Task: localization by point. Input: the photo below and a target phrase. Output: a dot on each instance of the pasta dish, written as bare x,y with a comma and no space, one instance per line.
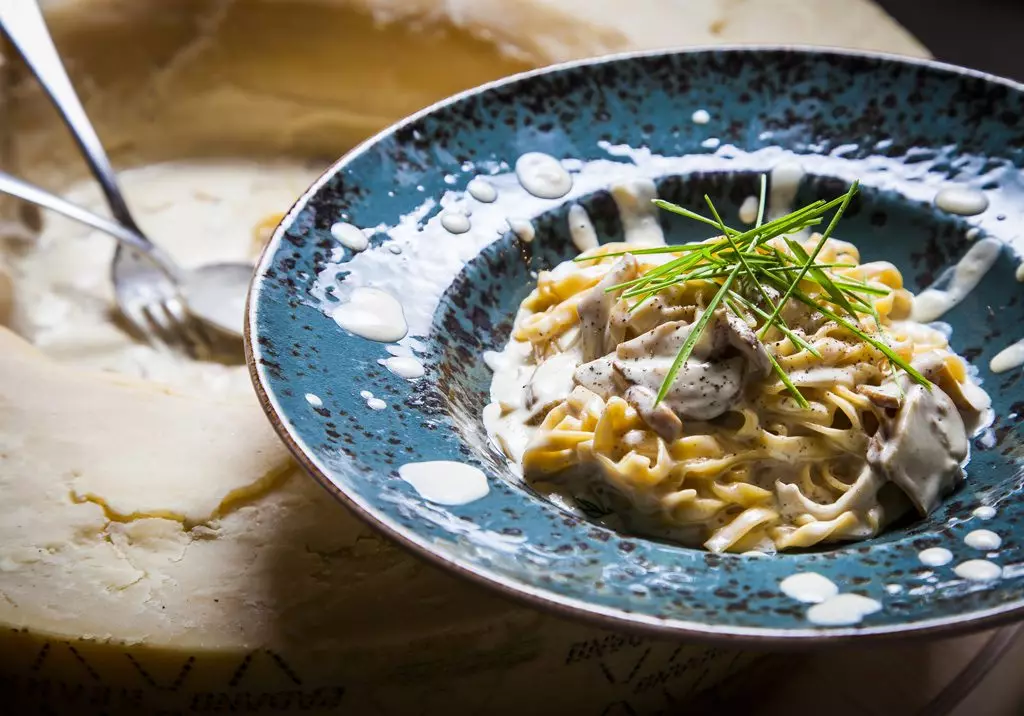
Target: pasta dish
760,390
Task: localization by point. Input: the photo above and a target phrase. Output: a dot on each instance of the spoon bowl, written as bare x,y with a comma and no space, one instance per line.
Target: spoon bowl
214,294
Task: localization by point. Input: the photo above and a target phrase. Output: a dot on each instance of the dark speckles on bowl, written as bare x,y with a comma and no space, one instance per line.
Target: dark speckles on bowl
857,112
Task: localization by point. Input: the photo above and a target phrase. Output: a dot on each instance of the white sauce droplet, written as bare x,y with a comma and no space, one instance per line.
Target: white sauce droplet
808,587
983,539
365,394
935,556
748,210
637,213
959,280
842,610
893,588
581,229
961,200
783,182
978,570
482,190
372,314
701,116
445,482
314,400
1009,358
942,327
523,229
494,360
351,237
404,366
455,221
985,512
543,176
711,143
987,438
376,404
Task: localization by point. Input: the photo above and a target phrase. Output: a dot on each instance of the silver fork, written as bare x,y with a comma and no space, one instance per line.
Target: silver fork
148,295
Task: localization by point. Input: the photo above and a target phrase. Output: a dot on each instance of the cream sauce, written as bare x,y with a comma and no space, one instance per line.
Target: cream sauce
584,237
957,281
517,388
455,221
445,482
314,400
494,360
961,200
404,366
978,570
711,143
639,216
351,237
1009,358
748,210
842,610
482,190
783,185
376,404
935,556
808,587
543,176
985,512
523,229
372,314
701,116
986,540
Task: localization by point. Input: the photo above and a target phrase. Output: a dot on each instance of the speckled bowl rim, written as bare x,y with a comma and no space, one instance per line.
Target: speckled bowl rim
552,602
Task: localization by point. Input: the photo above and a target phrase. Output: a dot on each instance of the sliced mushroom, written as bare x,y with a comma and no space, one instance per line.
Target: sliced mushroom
741,337
705,386
921,449
658,416
967,397
886,395
595,309
600,377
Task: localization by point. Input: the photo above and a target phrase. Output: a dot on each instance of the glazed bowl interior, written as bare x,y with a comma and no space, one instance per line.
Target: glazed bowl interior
903,129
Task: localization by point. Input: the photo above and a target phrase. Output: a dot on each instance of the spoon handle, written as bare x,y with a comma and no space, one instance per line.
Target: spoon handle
128,237
23,23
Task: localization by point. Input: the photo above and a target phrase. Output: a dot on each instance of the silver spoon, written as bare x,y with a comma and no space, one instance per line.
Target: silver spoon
215,293
146,293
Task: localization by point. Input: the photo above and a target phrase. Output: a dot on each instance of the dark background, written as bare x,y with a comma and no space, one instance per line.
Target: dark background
984,35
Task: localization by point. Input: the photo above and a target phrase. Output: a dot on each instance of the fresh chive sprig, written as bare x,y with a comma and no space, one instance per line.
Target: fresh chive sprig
721,260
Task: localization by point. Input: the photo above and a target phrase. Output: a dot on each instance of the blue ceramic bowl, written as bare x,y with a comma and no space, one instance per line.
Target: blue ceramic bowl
904,128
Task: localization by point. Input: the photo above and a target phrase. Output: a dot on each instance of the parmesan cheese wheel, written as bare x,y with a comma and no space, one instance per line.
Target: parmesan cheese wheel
6,296
159,552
